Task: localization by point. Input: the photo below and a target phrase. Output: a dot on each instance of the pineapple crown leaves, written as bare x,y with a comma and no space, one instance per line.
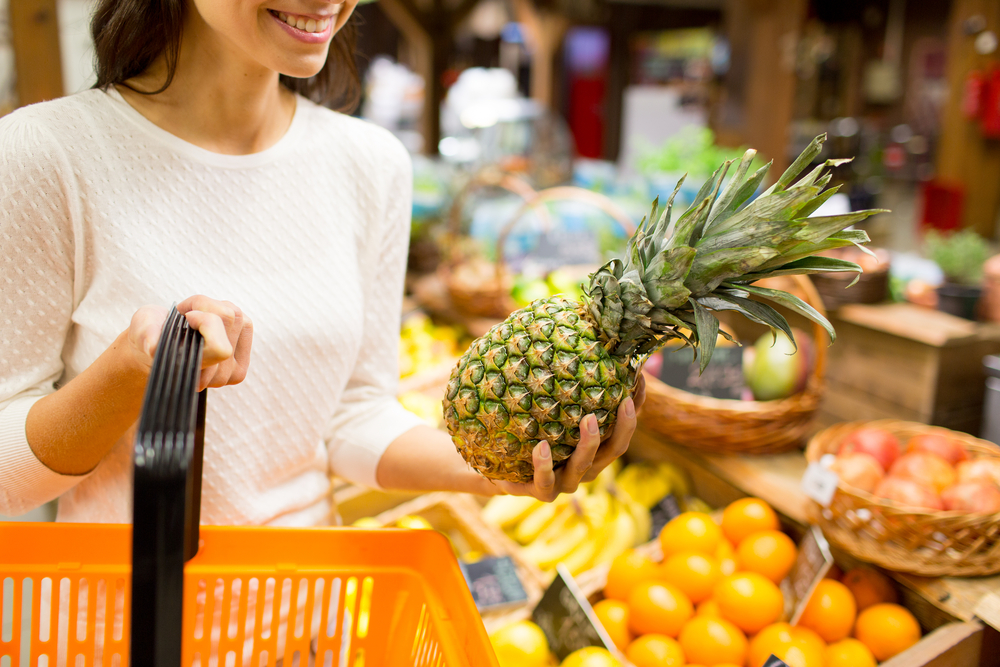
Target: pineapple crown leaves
675,273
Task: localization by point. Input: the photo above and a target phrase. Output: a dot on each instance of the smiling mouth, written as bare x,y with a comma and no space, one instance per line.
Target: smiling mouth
306,23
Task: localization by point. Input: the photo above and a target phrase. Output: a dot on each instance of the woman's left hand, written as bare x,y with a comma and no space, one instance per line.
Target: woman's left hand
587,461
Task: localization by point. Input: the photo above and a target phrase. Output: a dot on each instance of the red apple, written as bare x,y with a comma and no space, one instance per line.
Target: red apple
908,493
979,470
881,444
654,364
927,469
972,498
947,448
859,470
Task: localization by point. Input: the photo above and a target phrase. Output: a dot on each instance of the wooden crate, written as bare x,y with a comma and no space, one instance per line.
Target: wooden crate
900,361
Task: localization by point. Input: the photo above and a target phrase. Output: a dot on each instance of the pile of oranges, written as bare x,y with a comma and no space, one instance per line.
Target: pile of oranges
714,601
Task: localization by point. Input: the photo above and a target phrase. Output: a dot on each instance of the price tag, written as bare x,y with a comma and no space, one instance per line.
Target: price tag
774,662
820,483
663,512
567,619
811,565
722,379
494,583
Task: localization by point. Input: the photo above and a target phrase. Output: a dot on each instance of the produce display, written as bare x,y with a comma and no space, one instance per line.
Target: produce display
592,526
714,599
535,375
932,472
424,345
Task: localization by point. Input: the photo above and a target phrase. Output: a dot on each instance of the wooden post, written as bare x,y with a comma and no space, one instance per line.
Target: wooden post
964,156
35,36
544,31
757,103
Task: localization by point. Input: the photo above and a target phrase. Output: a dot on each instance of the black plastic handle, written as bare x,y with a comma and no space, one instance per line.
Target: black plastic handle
166,494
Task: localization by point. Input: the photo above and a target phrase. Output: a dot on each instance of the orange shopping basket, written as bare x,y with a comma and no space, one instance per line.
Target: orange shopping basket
164,593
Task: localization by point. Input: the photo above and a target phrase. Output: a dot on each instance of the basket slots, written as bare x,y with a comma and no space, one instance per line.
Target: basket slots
253,598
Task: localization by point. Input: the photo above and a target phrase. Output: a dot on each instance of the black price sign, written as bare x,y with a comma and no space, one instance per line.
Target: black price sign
567,619
722,379
775,662
663,512
811,565
494,583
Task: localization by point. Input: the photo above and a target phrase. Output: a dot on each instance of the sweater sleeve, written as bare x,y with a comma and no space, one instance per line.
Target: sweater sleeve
369,417
36,299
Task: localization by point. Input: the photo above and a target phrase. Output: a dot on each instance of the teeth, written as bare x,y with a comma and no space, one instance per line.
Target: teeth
305,24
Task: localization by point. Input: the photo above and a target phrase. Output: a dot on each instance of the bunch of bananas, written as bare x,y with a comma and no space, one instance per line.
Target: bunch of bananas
592,526
424,345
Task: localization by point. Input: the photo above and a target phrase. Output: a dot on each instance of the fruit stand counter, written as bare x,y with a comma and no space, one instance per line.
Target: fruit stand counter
776,479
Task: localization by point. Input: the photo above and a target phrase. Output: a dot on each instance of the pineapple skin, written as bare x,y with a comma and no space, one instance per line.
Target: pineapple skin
533,377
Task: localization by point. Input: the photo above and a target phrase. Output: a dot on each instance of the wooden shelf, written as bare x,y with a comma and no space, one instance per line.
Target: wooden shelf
775,479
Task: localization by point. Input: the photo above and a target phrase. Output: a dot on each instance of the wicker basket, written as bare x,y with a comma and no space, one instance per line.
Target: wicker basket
479,290
722,426
872,287
926,543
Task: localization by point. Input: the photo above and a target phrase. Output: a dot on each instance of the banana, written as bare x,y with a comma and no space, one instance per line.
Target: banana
643,521
538,519
619,536
547,553
508,511
582,557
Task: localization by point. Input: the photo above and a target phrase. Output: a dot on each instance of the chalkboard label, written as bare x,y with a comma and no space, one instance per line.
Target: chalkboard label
774,662
567,619
494,583
811,565
663,512
722,379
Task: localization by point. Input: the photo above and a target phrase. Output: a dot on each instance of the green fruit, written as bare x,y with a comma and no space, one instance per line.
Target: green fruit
772,370
527,291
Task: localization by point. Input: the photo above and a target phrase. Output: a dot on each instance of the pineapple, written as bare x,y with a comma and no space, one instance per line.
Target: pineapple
535,375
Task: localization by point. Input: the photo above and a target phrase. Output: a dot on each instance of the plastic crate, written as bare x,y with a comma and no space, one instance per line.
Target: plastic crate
330,597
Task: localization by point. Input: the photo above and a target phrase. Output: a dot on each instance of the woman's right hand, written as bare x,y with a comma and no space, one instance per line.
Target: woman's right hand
228,335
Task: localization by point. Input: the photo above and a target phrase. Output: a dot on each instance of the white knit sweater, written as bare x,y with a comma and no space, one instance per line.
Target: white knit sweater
102,212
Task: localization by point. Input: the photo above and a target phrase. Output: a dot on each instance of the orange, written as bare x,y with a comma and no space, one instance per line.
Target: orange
658,607
869,586
809,637
849,653
655,651
613,615
769,552
800,654
690,531
726,555
627,570
830,611
746,516
695,574
766,642
887,629
713,641
749,600
708,608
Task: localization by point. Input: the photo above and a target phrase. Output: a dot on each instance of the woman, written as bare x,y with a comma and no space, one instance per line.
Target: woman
197,166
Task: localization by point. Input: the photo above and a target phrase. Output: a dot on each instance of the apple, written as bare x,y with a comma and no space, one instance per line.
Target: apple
929,470
908,493
972,498
773,369
654,364
947,448
859,470
979,470
881,444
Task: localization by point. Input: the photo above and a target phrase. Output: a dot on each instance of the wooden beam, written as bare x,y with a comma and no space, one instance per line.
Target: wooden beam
412,23
461,13
964,155
35,35
544,32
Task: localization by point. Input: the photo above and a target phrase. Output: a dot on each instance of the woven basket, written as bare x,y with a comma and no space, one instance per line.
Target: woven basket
726,426
872,287
927,543
472,292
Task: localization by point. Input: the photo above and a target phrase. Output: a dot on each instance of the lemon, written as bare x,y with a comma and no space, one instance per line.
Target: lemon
591,656
414,522
366,522
521,644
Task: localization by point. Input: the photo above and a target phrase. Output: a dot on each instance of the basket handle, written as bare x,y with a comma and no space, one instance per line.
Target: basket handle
166,492
486,178
559,193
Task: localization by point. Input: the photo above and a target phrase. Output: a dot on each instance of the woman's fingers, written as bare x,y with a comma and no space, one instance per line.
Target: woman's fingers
618,442
144,331
582,459
544,478
639,397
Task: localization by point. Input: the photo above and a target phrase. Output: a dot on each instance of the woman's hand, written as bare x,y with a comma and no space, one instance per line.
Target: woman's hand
587,461
228,335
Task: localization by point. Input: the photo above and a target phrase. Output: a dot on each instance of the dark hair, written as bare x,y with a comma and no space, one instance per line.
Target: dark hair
130,34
